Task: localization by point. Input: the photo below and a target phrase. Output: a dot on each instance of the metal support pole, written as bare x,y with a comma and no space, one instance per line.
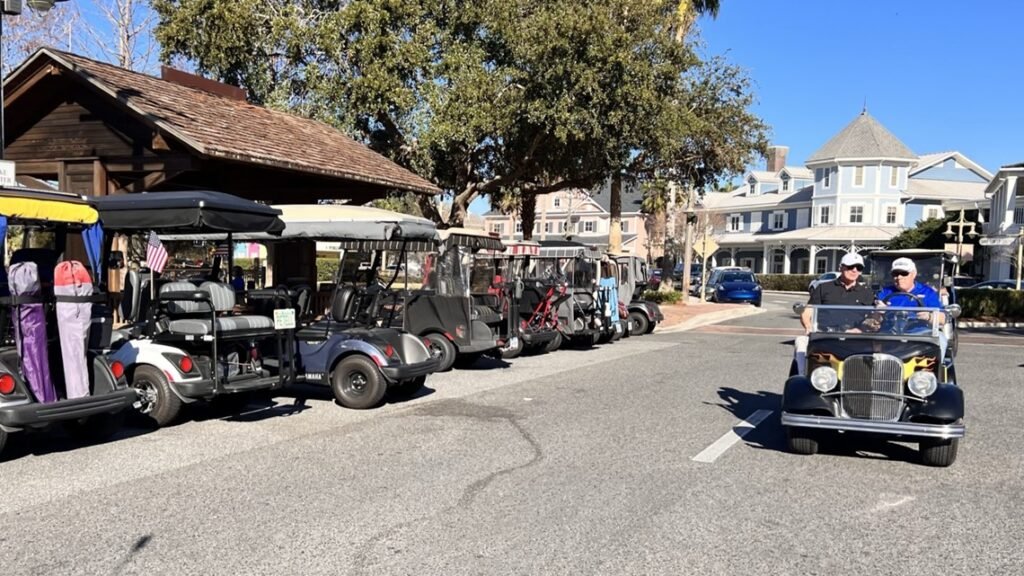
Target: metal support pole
3,126
1020,252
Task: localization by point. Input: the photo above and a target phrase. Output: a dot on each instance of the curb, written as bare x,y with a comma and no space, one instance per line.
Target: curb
805,293
969,324
712,318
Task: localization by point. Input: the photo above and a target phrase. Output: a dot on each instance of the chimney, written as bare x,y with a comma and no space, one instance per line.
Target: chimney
199,83
777,158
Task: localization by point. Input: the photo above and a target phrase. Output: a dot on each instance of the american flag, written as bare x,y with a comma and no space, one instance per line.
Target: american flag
156,254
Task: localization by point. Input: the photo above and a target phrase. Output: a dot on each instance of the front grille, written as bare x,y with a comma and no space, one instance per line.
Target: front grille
872,387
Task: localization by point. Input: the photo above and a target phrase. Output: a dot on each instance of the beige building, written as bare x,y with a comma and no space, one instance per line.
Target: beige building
583,217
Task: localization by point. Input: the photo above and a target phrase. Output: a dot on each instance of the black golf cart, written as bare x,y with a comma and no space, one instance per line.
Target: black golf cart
644,315
188,339
575,264
51,306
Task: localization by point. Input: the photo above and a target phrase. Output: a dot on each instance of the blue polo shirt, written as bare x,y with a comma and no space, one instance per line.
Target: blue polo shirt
928,296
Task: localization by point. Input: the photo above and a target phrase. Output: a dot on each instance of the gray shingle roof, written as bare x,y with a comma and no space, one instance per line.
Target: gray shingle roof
863,138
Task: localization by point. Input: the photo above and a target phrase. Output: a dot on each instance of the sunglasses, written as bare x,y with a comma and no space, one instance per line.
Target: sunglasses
898,273
856,267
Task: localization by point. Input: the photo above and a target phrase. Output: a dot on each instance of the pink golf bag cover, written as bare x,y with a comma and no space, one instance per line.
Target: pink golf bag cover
74,317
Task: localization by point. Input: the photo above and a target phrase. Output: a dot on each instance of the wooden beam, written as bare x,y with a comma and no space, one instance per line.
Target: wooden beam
174,163
99,178
63,183
38,167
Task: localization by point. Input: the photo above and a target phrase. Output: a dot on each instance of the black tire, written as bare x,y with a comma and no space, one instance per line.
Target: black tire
510,353
467,360
4,437
160,404
605,337
799,441
651,327
443,347
96,428
357,383
618,334
640,322
408,388
554,344
939,453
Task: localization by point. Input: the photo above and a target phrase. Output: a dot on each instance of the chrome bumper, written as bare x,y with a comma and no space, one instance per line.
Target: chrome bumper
944,431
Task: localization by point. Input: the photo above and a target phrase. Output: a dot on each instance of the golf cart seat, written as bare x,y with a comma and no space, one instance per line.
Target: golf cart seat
485,314
192,317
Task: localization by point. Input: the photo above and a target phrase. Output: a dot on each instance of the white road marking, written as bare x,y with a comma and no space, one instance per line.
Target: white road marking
741,429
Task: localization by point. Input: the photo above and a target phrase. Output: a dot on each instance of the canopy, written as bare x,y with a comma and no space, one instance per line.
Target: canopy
186,212
567,249
470,238
25,204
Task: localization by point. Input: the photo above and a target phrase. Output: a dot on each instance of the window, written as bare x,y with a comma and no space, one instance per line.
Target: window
825,216
561,227
821,265
547,227
828,177
894,176
588,226
498,228
785,184
519,227
735,223
778,220
856,214
890,215
557,202
1018,215
536,227
932,213
753,187
624,225
858,176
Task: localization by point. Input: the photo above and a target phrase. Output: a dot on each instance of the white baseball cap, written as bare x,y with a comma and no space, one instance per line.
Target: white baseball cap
904,265
852,259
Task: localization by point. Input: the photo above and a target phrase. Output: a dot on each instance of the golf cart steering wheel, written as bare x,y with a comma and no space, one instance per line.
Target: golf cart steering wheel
918,301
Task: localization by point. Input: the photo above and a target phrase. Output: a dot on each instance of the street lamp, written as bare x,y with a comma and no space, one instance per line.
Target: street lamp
13,8
960,224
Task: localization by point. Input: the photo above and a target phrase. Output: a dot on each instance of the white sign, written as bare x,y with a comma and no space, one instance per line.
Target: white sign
7,173
998,241
284,319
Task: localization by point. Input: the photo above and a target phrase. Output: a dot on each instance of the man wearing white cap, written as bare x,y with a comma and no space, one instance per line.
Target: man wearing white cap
906,291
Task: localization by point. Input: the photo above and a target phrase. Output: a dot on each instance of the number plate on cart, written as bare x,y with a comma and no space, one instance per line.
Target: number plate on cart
284,319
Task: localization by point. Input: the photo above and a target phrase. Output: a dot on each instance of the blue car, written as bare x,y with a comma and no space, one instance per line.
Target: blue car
735,286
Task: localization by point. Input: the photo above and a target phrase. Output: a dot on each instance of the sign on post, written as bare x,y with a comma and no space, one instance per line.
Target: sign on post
284,319
998,241
7,173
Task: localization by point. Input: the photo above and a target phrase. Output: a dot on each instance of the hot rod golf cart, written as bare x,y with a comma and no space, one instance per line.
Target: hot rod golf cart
879,371
347,348
644,315
186,340
580,316
502,281
50,307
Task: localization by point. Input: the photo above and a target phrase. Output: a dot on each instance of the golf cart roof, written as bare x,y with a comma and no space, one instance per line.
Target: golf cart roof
913,253
344,223
567,249
186,212
515,248
31,205
471,238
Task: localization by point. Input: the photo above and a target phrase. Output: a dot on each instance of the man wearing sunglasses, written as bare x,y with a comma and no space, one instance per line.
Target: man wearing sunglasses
904,286
846,290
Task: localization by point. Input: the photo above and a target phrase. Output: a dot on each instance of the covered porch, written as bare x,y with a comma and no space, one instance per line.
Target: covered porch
806,251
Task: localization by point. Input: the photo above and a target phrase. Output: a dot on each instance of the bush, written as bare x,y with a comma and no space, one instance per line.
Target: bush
786,282
991,304
659,297
326,268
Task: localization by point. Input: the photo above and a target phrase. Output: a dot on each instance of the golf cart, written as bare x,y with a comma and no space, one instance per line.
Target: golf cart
580,316
879,371
347,348
501,280
185,339
644,315
50,307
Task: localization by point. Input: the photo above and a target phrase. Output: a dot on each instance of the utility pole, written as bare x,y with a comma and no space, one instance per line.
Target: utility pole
687,245
961,223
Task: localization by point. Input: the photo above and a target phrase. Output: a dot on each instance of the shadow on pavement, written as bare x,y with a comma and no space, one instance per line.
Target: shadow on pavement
742,404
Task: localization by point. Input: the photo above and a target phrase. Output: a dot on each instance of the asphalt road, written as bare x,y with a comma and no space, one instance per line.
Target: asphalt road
577,463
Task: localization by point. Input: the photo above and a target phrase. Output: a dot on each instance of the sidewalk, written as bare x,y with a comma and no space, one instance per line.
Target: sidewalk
680,318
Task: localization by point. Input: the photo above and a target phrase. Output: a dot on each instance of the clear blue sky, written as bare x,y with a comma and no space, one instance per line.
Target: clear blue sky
938,74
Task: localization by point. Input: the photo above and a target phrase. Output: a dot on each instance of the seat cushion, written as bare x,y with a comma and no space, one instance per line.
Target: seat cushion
222,295
225,324
182,306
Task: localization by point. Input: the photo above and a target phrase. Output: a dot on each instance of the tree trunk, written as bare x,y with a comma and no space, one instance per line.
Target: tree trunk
615,227
668,260
528,213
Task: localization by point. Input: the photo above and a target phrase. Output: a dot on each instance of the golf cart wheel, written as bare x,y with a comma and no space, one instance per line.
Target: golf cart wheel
467,360
605,337
160,405
3,442
940,453
512,351
618,334
357,383
442,347
408,388
799,441
554,344
96,428
640,323
651,327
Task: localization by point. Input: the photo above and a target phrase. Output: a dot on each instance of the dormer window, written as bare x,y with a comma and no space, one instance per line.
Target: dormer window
753,187
785,183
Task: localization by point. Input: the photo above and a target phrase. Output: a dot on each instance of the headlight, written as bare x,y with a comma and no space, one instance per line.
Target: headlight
922,384
757,288
824,378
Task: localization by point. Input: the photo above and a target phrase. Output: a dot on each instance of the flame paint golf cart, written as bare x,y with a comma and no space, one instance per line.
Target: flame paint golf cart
47,311
348,349
185,340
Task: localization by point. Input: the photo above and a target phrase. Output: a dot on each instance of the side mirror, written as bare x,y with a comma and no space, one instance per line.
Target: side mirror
115,261
954,311
798,308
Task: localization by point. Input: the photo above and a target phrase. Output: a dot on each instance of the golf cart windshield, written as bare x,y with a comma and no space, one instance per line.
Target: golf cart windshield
890,321
930,267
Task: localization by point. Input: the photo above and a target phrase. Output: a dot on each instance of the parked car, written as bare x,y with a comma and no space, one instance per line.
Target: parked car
713,276
964,281
995,284
735,286
826,277
655,279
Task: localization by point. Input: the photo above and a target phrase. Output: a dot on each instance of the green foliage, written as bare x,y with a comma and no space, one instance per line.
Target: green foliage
926,234
498,97
991,304
326,268
786,282
668,297
404,203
